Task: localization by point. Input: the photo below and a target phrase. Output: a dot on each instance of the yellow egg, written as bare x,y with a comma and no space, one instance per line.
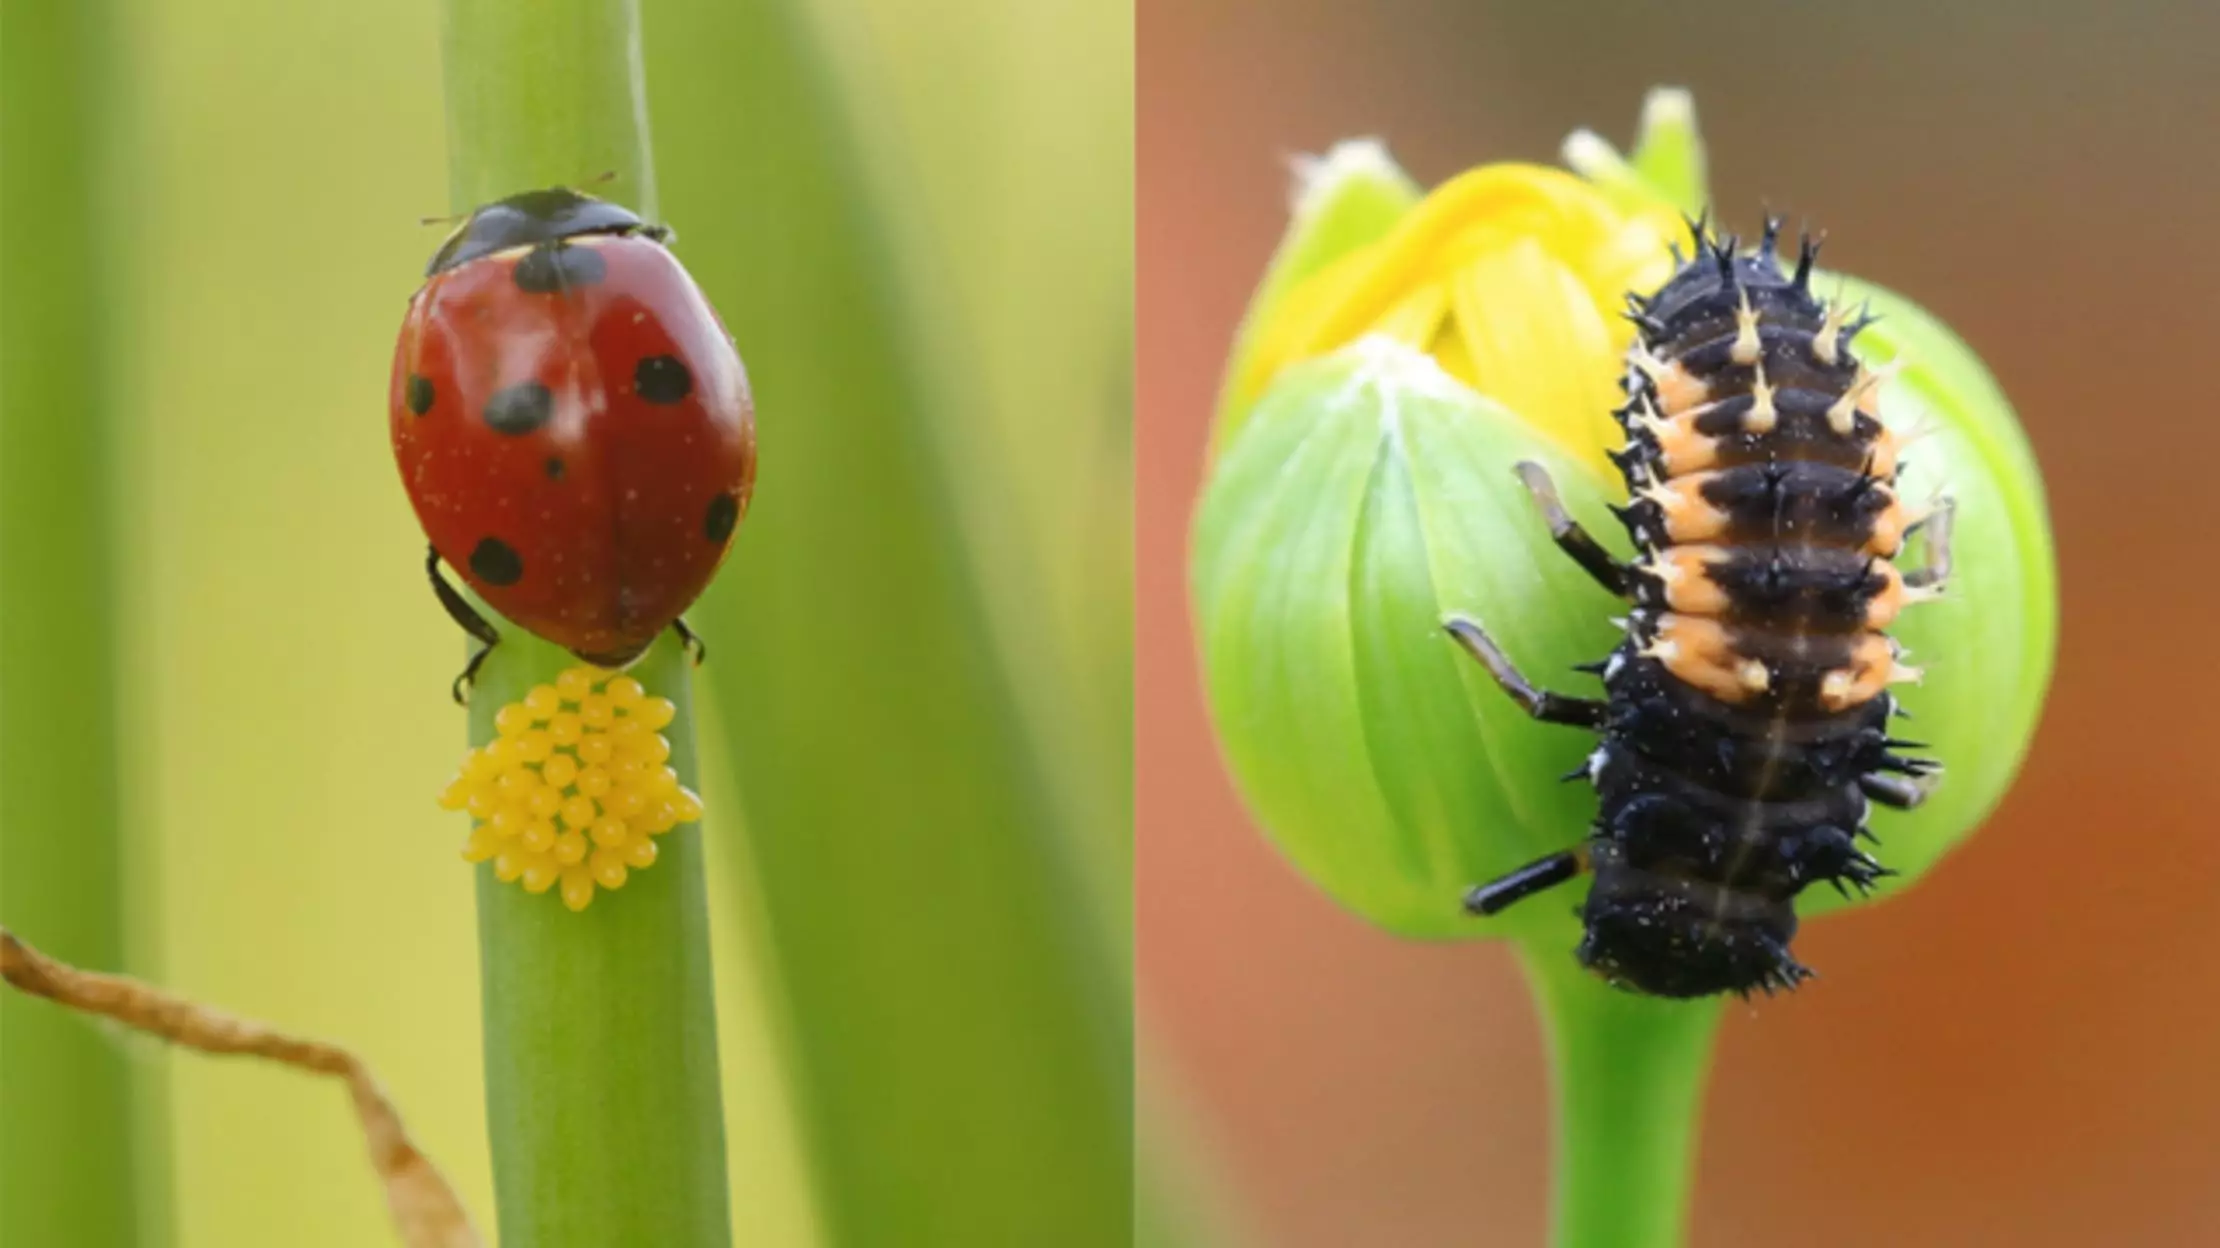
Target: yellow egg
578,887
579,813
456,795
689,805
559,771
608,868
597,712
543,702
481,845
574,684
540,874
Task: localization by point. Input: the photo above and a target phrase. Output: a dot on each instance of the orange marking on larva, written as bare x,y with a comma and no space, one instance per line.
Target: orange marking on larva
1882,609
1885,447
1872,668
1689,517
1685,572
1889,524
1679,390
1682,450
1699,652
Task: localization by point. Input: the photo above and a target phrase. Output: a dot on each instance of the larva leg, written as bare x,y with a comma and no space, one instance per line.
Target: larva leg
1550,708
1567,533
1898,792
1537,876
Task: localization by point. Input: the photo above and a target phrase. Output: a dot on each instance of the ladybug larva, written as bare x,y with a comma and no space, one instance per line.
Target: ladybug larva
572,424
1745,727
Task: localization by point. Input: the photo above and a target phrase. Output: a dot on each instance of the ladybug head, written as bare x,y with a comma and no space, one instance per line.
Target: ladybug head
530,217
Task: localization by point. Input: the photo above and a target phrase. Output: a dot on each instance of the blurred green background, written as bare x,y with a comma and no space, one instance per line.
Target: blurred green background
917,222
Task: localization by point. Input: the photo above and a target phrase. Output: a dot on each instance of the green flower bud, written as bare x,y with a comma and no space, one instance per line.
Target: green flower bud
1393,371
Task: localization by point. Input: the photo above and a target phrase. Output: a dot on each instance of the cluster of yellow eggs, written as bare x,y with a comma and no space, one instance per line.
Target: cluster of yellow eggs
575,786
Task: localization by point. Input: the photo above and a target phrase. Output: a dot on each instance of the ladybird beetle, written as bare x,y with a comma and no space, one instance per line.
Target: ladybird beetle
1745,723
572,424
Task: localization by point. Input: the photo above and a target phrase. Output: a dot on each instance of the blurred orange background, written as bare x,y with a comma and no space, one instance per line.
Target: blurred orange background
2023,1050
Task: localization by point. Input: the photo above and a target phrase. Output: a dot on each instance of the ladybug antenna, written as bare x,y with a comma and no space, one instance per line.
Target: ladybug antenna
453,218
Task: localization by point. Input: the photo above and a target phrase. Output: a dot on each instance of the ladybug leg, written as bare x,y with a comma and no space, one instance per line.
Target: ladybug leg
1567,533
1537,876
472,623
1937,524
692,643
1550,708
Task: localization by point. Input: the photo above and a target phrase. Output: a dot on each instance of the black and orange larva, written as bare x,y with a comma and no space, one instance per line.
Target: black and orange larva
1745,728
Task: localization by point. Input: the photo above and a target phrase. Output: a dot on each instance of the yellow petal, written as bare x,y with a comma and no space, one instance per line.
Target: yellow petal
1535,341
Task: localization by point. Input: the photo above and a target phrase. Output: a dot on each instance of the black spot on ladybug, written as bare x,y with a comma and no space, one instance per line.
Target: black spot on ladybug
662,379
554,467
724,512
519,409
420,394
554,267
496,562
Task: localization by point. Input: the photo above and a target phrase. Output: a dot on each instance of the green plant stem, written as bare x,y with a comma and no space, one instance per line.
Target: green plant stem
1627,1078
67,1172
602,1091
602,1086
546,93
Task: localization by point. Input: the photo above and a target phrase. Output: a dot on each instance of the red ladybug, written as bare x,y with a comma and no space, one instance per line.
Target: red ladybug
572,424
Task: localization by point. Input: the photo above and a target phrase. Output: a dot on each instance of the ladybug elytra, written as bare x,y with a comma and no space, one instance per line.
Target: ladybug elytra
572,424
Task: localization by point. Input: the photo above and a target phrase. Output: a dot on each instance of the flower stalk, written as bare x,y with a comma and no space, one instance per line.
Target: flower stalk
1627,1077
602,1082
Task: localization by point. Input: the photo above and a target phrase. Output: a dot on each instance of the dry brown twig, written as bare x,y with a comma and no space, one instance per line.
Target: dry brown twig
425,1209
